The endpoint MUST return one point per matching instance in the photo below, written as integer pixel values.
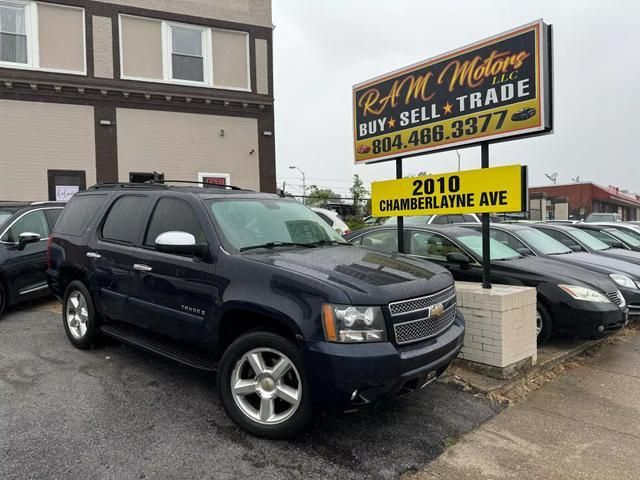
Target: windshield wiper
(278, 244)
(329, 242)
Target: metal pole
(486, 255)
(400, 218)
(304, 189)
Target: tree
(319, 197)
(358, 191)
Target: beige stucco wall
(262, 66)
(181, 145)
(61, 37)
(35, 137)
(102, 47)
(252, 12)
(230, 59)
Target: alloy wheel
(77, 314)
(266, 386)
(538, 323)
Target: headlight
(351, 324)
(623, 281)
(586, 294)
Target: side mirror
(180, 243)
(524, 251)
(458, 258)
(576, 248)
(618, 245)
(26, 238)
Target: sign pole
(400, 217)
(486, 255)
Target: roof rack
(99, 186)
(213, 185)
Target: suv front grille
(421, 303)
(424, 328)
(617, 298)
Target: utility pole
(304, 184)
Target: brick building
(115, 90)
(580, 199)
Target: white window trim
(207, 52)
(33, 40)
(201, 176)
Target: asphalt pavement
(114, 412)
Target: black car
(523, 114)
(24, 230)
(625, 236)
(590, 238)
(570, 299)
(533, 241)
(257, 288)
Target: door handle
(141, 267)
(94, 255)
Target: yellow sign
(487, 190)
(493, 89)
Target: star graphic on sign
(447, 107)
(391, 122)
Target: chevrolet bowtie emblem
(436, 310)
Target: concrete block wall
(500, 324)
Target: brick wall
(500, 324)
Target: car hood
(559, 272)
(366, 276)
(600, 263)
(622, 254)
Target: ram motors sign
(491, 90)
(487, 190)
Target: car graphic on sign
(364, 149)
(523, 114)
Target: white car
(435, 219)
(333, 220)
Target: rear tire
(544, 323)
(79, 315)
(263, 386)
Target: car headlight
(586, 294)
(623, 281)
(351, 324)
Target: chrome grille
(617, 298)
(421, 303)
(424, 328)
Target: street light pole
(458, 153)
(304, 184)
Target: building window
(13, 33)
(187, 53)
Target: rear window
(78, 213)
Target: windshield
(411, 220)
(589, 240)
(498, 251)
(253, 222)
(542, 242)
(627, 236)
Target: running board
(163, 349)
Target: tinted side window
(52, 215)
(440, 220)
(469, 218)
(325, 218)
(78, 213)
(431, 245)
(561, 237)
(383, 240)
(455, 219)
(124, 219)
(33, 222)
(172, 214)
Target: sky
(323, 47)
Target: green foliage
(355, 223)
(319, 197)
(358, 191)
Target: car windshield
(410, 220)
(627, 236)
(251, 223)
(542, 242)
(589, 240)
(498, 251)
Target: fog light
(601, 328)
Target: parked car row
(586, 287)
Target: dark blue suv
(257, 288)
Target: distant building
(128, 90)
(577, 200)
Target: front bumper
(588, 319)
(347, 376)
(632, 297)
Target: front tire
(263, 386)
(544, 324)
(79, 315)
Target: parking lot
(115, 412)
